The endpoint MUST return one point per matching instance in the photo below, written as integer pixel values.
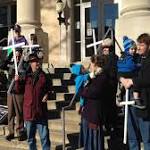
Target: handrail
(63, 119)
(2, 40)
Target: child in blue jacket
(81, 79)
(128, 65)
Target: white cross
(126, 104)
(30, 47)
(13, 80)
(94, 40)
(94, 44)
(13, 46)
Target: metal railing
(2, 40)
(63, 119)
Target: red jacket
(33, 107)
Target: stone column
(29, 17)
(28, 12)
(69, 14)
(134, 19)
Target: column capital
(134, 6)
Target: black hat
(17, 28)
(33, 58)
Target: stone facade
(40, 17)
(134, 19)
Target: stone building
(66, 42)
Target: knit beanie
(127, 43)
(107, 42)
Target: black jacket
(142, 84)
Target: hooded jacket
(80, 80)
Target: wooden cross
(126, 104)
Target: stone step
(56, 76)
(61, 96)
(67, 76)
(59, 70)
(63, 76)
(68, 96)
(14, 144)
(56, 82)
(67, 82)
(23, 145)
(51, 70)
(62, 70)
(60, 89)
(72, 115)
(57, 104)
(56, 124)
(53, 114)
(71, 89)
(55, 137)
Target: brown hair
(99, 60)
(144, 38)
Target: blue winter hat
(127, 43)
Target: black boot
(22, 136)
(9, 137)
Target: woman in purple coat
(94, 93)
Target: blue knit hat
(127, 43)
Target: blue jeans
(42, 127)
(138, 129)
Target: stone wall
(51, 26)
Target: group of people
(27, 98)
(102, 87)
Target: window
(7, 20)
(3, 15)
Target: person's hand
(127, 83)
(16, 77)
(92, 75)
(45, 98)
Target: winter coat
(142, 83)
(20, 39)
(80, 79)
(95, 93)
(34, 91)
(126, 64)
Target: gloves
(92, 75)
(98, 70)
